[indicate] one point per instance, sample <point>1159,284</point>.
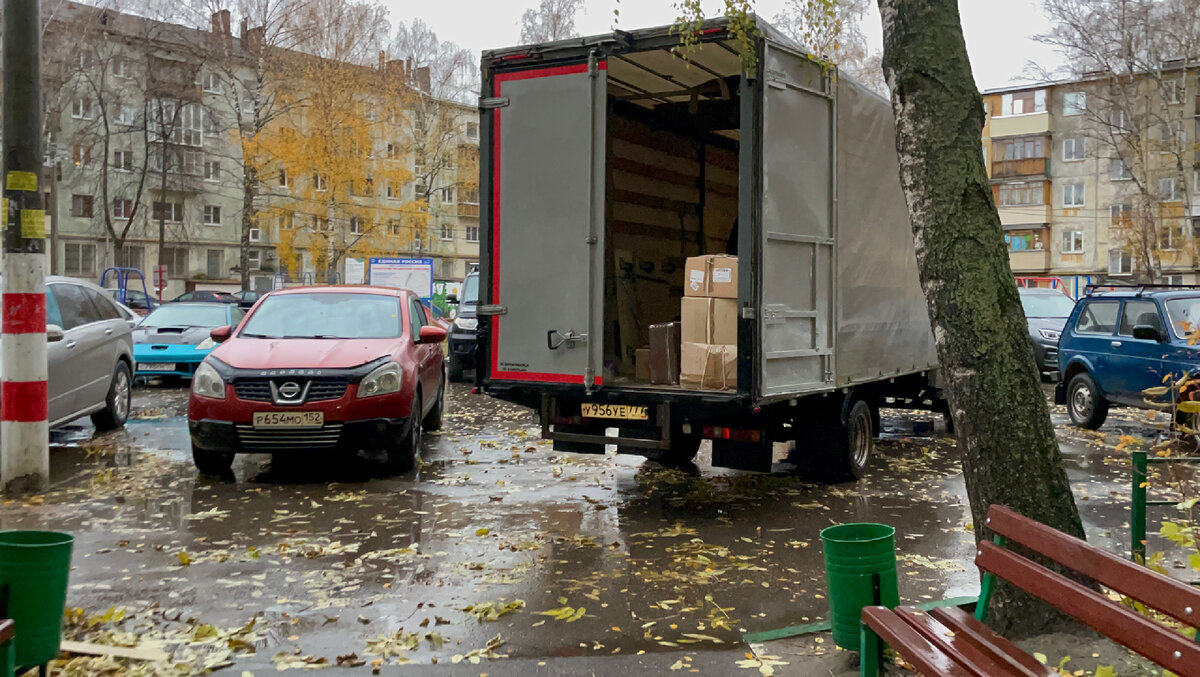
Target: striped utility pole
<point>24,438</point>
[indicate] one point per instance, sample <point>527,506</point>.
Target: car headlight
<point>1050,334</point>
<point>467,323</point>
<point>383,380</point>
<point>206,382</point>
<point>206,344</point>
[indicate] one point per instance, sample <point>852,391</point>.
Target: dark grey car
<point>1046,310</point>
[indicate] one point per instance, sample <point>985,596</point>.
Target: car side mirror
<point>1146,332</point>
<point>54,333</point>
<point>431,334</point>
<point>452,299</point>
<point>220,334</point>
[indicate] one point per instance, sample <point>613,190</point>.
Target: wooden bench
<point>949,641</point>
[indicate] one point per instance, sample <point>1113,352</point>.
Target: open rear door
<point>546,273</point>
<point>798,225</point>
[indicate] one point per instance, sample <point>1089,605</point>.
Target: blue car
<point>174,339</point>
<point>1118,343</point>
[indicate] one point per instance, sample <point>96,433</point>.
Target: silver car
<point>90,354</point>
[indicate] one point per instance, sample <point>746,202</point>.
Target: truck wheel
<point>1086,406</point>
<point>456,370</point>
<point>210,462</point>
<point>402,456</point>
<point>683,450</point>
<point>846,447</point>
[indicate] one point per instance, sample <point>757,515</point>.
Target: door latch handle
<point>555,340</point>
<point>70,344</point>
<point>1116,344</point>
<point>108,332</point>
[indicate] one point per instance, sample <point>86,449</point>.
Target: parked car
<point>1046,311</point>
<point>131,318</point>
<point>174,339</point>
<point>89,354</point>
<point>462,331</point>
<point>1118,343</point>
<point>136,300</point>
<point>247,298</point>
<point>207,295</point>
<point>339,370</point>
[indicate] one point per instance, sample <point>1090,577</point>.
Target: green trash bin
<point>34,566</point>
<point>854,555</point>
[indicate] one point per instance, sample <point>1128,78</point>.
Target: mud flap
<point>752,456</point>
<point>579,447</point>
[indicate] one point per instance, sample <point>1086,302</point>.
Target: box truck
<point>608,163</point>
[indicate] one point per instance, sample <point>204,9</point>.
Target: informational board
<point>356,271</point>
<point>413,274</point>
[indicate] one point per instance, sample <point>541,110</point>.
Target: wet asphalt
<point>498,555</point>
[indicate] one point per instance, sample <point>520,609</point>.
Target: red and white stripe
<point>24,435</point>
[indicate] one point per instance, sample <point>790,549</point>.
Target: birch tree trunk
<point>1009,452</point>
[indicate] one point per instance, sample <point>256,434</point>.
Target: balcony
<point>1024,214</point>
<point>468,209</point>
<point>1020,125</point>
<point>1032,167</point>
<point>1029,261</point>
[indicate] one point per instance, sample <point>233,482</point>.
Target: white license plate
<point>627,412</point>
<point>156,366</point>
<point>289,419</point>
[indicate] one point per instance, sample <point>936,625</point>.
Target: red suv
<point>335,369</point>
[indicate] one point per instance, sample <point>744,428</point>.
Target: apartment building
<point>141,125</point>
<point>1091,186</point>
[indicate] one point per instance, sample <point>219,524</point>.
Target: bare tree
<point>1132,58</point>
<point>551,20</point>
<point>832,30</point>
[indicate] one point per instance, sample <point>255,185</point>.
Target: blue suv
<point>1119,342</point>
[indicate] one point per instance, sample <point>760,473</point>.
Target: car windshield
<point>172,315</point>
<point>325,316</point>
<point>470,292</point>
<point>1047,305</point>
<point>1184,315</point>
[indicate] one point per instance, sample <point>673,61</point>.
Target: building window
<point>1020,103</point>
<point>287,220</point>
<point>283,178</point>
<point>211,83</point>
<point>177,261</point>
<point>255,235</point>
<point>1172,90</point>
<point>123,160</point>
<point>254,259</point>
<point>191,125</point>
<point>472,130</point>
<point>168,211</point>
<point>1173,279</point>
<point>1074,103</point>
<point>468,195</point>
<point>122,208</point>
<point>320,224</point>
<point>393,151</point>
<point>121,68</point>
<point>1171,236</point>
<point>447,195</point>
<point>80,258</point>
<point>1116,118</point>
<point>420,190</point>
<point>392,193</point>
<point>356,225</point>
<point>1022,240</point>
<point>129,257</point>
<point>472,233</point>
<point>81,108</point>
<point>319,182</point>
<point>215,267</point>
<point>1168,190</point>
<point>1118,170</point>
<point>212,215</point>
<point>81,205</point>
<point>1073,148</point>
<point>126,115</point>
<point>1120,262</point>
<point>447,232</point>
<point>1120,216</point>
<point>1072,242</point>
<point>395,227</point>
<point>1023,193</point>
<point>212,170</point>
<point>1073,195</point>
<point>81,154</point>
<point>1019,148</point>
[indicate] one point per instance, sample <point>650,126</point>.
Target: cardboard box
<point>705,320</point>
<point>664,353</point>
<point>714,276</point>
<point>708,366</point>
<point>641,362</point>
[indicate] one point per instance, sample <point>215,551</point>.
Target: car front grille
<point>284,439</point>
<point>259,390</point>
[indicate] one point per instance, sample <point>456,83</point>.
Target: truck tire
<point>683,450</point>
<point>845,446</point>
<point>1086,406</point>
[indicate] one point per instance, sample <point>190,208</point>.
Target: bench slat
<point>1181,602</point>
<point>999,648</point>
<point>966,654</point>
<point>1165,647</point>
<point>924,656</point>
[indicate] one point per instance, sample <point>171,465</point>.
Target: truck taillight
<point>734,434</point>
<point>566,420</point>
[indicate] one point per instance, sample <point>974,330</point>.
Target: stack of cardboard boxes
<point>708,324</point>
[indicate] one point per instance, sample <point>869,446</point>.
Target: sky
<point>999,33</point>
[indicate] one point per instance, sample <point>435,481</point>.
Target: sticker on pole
<point>21,181</point>
<point>3,212</point>
<point>33,224</point>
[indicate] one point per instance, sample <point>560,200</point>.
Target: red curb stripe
<point>23,401</point>
<point>24,314</point>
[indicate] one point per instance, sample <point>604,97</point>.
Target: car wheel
<point>456,370</point>
<point>403,456</point>
<point>433,420</point>
<point>211,462</point>
<point>1086,406</point>
<point>116,403</point>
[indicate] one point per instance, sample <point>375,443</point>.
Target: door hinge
<point>491,102</point>
<point>491,310</point>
